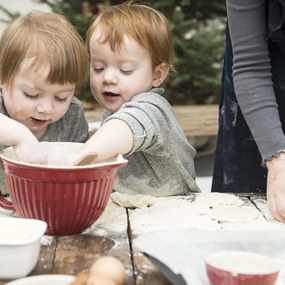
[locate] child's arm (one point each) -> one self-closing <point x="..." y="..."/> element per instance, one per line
<point x="26" y="146"/>
<point x="114" y="137"/>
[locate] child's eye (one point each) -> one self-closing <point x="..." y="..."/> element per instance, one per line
<point x="31" y="96"/>
<point x="126" y="72"/>
<point x="60" y="99"/>
<point x="98" y="69"/>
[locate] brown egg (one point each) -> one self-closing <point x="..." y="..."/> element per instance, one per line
<point x="98" y="280"/>
<point x="109" y="267"/>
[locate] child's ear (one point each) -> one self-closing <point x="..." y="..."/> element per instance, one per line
<point x="159" y="74"/>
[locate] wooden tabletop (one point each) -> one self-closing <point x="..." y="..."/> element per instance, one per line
<point x="113" y="234"/>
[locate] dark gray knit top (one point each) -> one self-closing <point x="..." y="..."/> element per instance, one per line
<point x="252" y="74"/>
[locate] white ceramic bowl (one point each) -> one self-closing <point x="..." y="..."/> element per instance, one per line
<point x="19" y="246"/>
<point x="49" y="279"/>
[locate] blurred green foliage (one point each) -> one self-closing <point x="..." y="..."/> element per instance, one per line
<point x="199" y="35"/>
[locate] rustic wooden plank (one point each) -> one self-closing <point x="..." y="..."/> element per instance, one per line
<point x="114" y="224"/>
<point x="145" y="272"/>
<point x="75" y="254"/>
<point x="46" y="258"/>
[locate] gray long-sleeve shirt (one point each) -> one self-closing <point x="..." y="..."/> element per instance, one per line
<point x="252" y="74"/>
<point x="161" y="160"/>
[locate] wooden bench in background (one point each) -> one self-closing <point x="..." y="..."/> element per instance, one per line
<point x="200" y="124"/>
<point x="198" y="120"/>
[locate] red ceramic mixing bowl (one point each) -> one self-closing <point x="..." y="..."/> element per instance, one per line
<point x="242" y="268"/>
<point x="68" y="198"/>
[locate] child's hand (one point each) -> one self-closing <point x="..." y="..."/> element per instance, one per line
<point x="29" y="151"/>
<point x="26" y="146"/>
<point x="114" y="137"/>
<point x="276" y="187"/>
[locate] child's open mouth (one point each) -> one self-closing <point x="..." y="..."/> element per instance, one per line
<point x="38" y="122"/>
<point x="110" y="96"/>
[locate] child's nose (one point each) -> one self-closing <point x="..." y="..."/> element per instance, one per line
<point x="110" y="77"/>
<point x="45" y="107"/>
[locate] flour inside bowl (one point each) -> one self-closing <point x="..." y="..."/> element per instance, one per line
<point x="59" y="154"/>
<point x="53" y="161"/>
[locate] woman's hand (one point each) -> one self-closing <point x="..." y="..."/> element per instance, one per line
<point x="276" y="187"/>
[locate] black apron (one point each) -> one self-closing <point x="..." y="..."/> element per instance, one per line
<point x="238" y="164"/>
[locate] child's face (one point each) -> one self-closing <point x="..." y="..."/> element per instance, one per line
<point x="117" y="76"/>
<point x="34" y="102"/>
